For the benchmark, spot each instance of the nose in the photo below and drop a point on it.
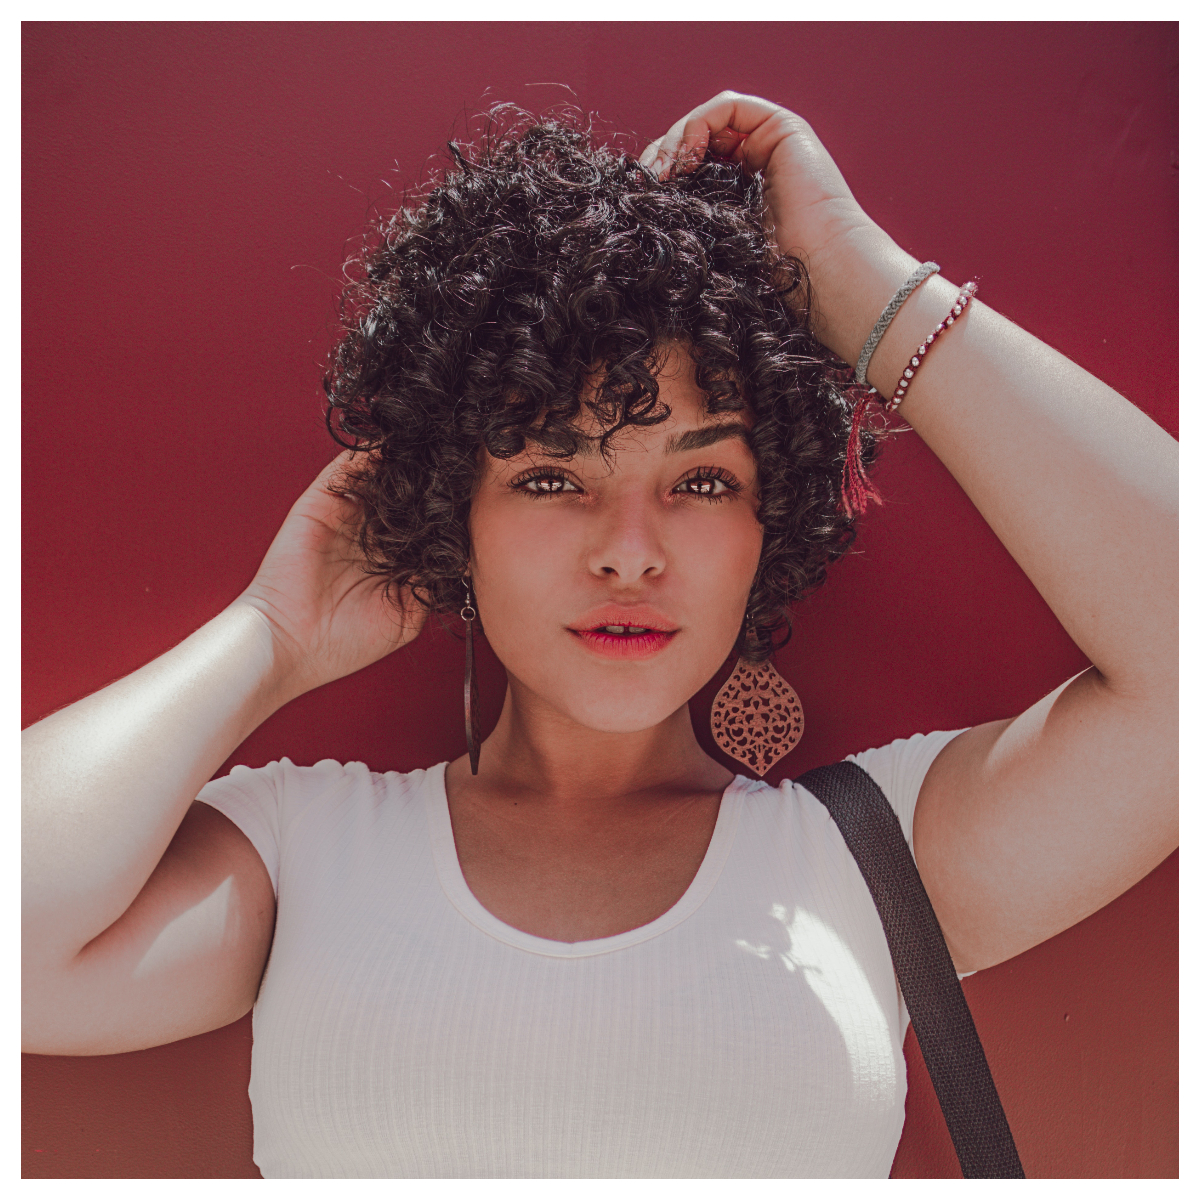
(627, 546)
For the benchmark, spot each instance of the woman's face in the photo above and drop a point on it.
(612, 591)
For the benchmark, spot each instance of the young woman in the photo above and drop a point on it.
(593, 403)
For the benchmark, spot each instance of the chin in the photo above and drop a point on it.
(612, 696)
(620, 714)
(616, 699)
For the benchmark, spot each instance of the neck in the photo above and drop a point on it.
(537, 752)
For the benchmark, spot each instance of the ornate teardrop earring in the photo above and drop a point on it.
(756, 717)
(470, 688)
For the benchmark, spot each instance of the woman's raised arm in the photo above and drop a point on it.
(108, 781)
(1023, 826)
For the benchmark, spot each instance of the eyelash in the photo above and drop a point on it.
(718, 474)
(537, 475)
(702, 475)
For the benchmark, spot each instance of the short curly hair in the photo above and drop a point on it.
(537, 259)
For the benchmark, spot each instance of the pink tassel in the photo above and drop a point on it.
(857, 489)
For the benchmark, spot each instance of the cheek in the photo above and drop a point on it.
(521, 559)
(715, 562)
(726, 544)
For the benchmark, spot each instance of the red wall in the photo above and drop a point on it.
(189, 194)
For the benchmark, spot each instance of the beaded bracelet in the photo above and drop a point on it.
(960, 305)
(857, 489)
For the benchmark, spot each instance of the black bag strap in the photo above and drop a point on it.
(941, 1019)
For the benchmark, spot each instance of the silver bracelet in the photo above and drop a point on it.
(918, 277)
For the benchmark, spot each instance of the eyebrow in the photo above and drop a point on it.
(698, 439)
(678, 443)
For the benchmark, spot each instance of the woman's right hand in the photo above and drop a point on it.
(327, 616)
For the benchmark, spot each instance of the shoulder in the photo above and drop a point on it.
(899, 762)
(281, 791)
(288, 780)
(272, 803)
(898, 769)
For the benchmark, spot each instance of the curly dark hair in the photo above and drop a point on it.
(476, 313)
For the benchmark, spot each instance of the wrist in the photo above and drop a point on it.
(852, 286)
(284, 666)
(852, 281)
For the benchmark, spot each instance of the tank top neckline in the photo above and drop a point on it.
(454, 885)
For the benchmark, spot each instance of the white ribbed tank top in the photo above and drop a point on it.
(753, 1030)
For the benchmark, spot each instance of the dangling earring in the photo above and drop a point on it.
(470, 688)
(756, 717)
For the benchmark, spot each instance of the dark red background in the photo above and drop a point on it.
(190, 192)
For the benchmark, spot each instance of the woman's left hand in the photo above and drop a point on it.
(811, 209)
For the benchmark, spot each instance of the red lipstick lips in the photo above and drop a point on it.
(624, 633)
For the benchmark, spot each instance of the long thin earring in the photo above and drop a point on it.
(756, 717)
(470, 688)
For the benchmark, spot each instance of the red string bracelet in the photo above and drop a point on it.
(857, 489)
(960, 306)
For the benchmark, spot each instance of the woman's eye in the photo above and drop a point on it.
(546, 485)
(704, 485)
